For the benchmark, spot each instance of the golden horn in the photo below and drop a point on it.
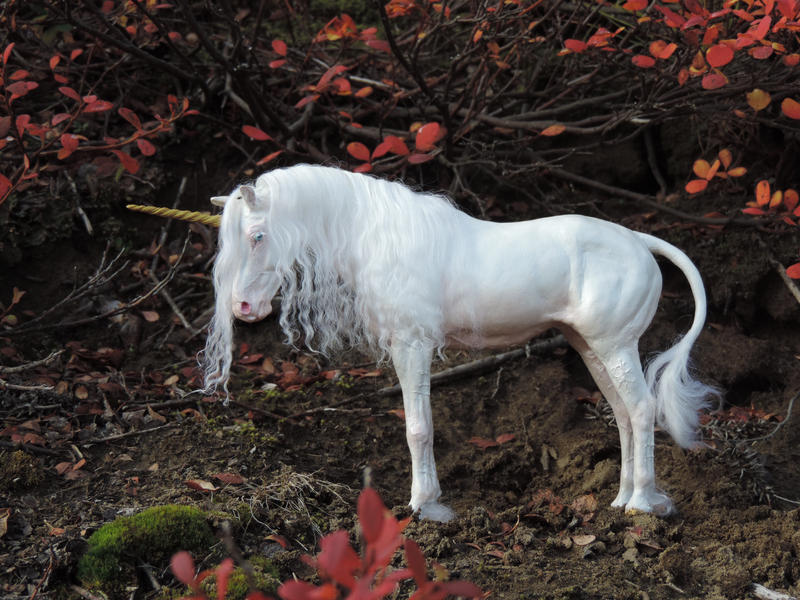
(183, 215)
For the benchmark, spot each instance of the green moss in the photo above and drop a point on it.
(151, 536)
(264, 572)
(19, 470)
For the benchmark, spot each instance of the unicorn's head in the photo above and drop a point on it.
(245, 278)
(245, 269)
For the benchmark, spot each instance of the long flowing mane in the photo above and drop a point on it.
(358, 257)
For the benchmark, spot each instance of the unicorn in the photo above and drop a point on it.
(369, 263)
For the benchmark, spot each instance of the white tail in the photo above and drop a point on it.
(679, 396)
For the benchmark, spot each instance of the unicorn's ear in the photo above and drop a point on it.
(248, 193)
(219, 200)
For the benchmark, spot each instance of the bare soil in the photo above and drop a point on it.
(534, 519)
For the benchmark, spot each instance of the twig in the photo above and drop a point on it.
(4, 385)
(84, 593)
(31, 449)
(175, 309)
(778, 426)
(31, 365)
(120, 436)
(759, 591)
(790, 284)
(476, 366)
(651, 202)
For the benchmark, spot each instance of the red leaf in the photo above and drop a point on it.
(20, 88)
(255, 133)
(363, 168)
(505, 437)
(98, 106)
(19, 74)
(145, 147)
(418, 159)
(416, 562)
(22, 123)
(371, 512)
(553, 130)
(182, 567)
(575, 45)
(719, 55)
(274, 64)
(269, 157)
(645, 62)
(760, 28)
(358, 150)
(128, 162)
(329, 75)
(393, 144)
(69, 144)
(75, 53)
(7, 52)
(428, 135)
(713, 81)
(130, 117)
(791, 108)
(791, 199)
(300, 590)
(794, 271)
(70, 93)
(696, 185)
(306, 100)
(763, 192)
(223, 572)
(229, 478)
(635, 5)
(201, 485)
(753, 211)
(760, 52)
(482, 443)
(5, 185)
(338, 559)
(279, 46)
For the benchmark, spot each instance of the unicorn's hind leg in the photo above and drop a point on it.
(603, 381)
(624, 370)
(412, 362)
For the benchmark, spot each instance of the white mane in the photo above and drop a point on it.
(358, 257)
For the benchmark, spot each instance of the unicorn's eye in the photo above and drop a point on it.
(257, 237)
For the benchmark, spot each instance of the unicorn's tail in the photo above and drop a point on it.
(679, 397)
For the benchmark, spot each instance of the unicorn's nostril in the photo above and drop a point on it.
(244, 307)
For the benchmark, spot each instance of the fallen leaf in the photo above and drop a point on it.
(482, 443)
(200, 485)
(81, 393)
(583, 539)
(229, 478)
(4, 514)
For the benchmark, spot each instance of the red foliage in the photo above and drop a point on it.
(343, 572)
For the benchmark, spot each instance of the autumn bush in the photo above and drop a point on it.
(342, 571)
(464, 96)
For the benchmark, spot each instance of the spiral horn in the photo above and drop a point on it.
(182, 215)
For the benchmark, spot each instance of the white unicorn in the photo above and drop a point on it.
(370, 263)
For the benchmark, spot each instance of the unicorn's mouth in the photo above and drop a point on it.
(244, 308)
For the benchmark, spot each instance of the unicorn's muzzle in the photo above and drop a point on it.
(244, 311)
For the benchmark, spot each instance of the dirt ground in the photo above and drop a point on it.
(527, 452)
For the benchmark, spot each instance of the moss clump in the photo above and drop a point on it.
(19, 470)
(264, 573)
(151, 536)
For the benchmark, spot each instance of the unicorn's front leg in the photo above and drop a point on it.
(412, 362)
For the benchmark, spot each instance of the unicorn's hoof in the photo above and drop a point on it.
(436, 512)
(622, 499)
(654, 503)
